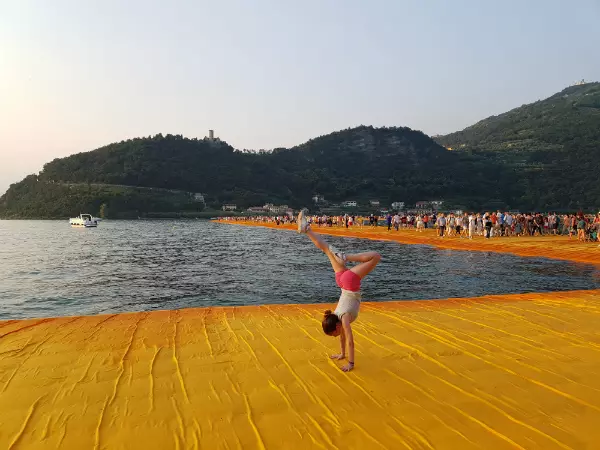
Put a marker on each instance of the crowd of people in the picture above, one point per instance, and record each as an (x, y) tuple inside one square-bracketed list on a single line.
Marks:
[(498, 224), (584, 227)]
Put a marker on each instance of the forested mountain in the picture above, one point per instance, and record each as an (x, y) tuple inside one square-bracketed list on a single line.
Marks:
[(389, 164), (540, 156), (570, 117), (552, 145)]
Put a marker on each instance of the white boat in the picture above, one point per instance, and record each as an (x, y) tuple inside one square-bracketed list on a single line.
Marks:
[(84, 220)]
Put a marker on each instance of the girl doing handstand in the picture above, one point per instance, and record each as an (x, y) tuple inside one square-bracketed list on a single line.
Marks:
[(338, 322)]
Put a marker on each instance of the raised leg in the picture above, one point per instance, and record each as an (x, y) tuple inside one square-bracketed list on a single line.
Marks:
[(369, 260), (324, 247)]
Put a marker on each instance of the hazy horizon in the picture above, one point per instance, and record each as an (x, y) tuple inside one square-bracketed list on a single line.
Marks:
[(78, 76)]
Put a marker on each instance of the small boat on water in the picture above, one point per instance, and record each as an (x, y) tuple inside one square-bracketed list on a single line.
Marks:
[(84, 220)]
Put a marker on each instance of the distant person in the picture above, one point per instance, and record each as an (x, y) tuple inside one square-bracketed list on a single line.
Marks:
[(338, 322), (451, 225), (553, 223), (500, 218), (509, 221), (487, 223), (479, 224), (573, 226), (581, 228), (472, 221), (388, 220), (458, 222), (465, 224), (441, 223), (420, 224), (539, 224), (566, 224), (396, 221)]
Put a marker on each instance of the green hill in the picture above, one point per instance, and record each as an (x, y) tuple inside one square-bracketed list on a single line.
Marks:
[(552, 146), (34, 198), (570, 117), (541, 156), (388, 164)]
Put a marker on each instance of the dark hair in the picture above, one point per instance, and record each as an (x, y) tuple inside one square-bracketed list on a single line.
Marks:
[(330, 322)]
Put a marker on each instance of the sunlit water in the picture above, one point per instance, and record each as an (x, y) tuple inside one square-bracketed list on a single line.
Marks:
[(48, 268)]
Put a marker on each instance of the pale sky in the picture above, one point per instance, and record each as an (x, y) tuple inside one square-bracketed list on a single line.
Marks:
[(77, 75)]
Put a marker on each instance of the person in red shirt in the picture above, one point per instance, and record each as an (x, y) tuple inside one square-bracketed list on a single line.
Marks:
[(494, 224)]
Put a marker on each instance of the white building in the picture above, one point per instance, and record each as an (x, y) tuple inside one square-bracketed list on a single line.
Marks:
[(318, 198), (229, 207), (398, 205), (271, 208), (349, 203), (257, 209), (199, 197), (276, 209), (436, 203), (374, 202)]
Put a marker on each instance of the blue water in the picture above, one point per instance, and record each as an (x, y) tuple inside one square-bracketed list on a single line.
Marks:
[(48, 268)]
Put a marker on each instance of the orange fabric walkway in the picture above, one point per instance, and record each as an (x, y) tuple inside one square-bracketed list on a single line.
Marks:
[(500, 372)]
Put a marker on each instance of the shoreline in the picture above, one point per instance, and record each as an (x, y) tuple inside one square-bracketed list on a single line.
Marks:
[(552, 247)]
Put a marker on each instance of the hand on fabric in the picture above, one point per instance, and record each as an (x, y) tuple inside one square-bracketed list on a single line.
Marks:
[(348, 367), (338, 356)]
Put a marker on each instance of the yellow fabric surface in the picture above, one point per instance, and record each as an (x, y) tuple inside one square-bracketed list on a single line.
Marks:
[(491, 372)]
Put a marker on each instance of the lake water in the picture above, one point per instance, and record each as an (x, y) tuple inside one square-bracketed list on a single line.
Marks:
[(48, 268)]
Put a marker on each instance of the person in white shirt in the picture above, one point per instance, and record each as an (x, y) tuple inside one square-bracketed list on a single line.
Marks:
[(459, 225), (509, 220), (472, 222), (441, 223), (396, 221), (420, 224)]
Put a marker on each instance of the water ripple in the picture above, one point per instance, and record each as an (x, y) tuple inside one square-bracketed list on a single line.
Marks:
[(50, 269)]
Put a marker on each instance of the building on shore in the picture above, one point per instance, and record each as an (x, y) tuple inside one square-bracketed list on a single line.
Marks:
[(398, 206), (430, 204), (349, 204), (257, 209), (317, 198), (276, 209), (229, 207), (270, 208)]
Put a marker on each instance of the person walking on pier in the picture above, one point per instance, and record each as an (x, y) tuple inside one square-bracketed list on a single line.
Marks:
[(338, 322), (597, 224), (441, 223)]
